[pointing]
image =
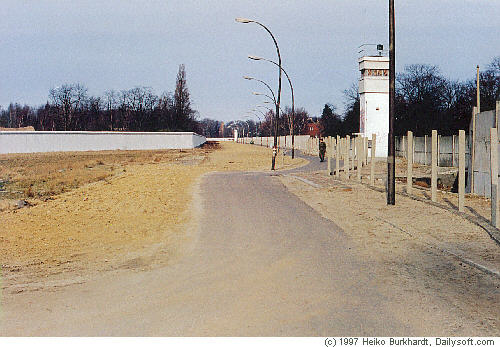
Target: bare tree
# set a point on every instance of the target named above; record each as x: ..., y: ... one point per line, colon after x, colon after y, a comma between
x: 111, y: 98
x: 184, y: 114
x: 68, y: 98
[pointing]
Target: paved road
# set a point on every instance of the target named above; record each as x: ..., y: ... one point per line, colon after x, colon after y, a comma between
x: 262, y: 263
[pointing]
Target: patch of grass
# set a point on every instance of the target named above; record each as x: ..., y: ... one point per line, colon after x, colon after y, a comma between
x: 41, y: 175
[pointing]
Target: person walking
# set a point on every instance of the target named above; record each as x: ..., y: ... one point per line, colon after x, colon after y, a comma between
x: 322, y: 149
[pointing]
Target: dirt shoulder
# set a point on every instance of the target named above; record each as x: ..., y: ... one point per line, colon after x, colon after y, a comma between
x: 422, y: 249
x: 113, y: 210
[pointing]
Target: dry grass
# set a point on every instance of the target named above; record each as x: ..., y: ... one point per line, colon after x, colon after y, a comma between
x: 41, y: 175
x: 109, y: 209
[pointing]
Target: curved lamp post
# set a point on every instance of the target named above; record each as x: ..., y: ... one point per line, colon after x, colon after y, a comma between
x: 269, y: 102
x: 259, y: 123
x: 264, y: 83
x: 275, y: 149
x: 269, y: 109
x: 253, y: 57
x: 264, y: 113
x: 267, y: 96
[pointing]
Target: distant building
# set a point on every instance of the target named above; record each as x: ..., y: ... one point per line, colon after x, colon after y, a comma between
x: 374, y: 100
x: 312, y: 128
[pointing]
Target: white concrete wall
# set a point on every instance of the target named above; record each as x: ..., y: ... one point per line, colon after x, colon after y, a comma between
x: 223, y: 139
x: 55, y: 141
x: 284, y: 141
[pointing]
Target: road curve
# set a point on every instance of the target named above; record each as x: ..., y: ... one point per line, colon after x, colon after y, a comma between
x: 262, y: 263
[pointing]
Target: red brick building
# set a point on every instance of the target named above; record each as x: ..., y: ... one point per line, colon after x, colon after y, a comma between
x: 312, y: 128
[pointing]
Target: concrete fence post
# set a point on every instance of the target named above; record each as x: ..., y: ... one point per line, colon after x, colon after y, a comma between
x: 426, y: 162
x: 343, y: 149
x: 337, y: 155
x: 341, y: 145
x: 434, y: 166
x: 453, y: 150
x: 409, y: 171
x: 473, y: 150
x: 438, y: 149
x: 332, y: 153
x: 495, y: 217
x: 461, y: 170
x: 329, y: 153
x: 413, y: 150
x: 366, y: 151
x: 347, y: 155
x: 497, y: 113
x: 352, y: 153
x: 372, y: 162
x: 360, y: 145
x: 403, y: 147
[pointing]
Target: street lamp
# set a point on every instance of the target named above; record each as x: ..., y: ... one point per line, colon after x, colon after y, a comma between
x: 269, y: 102
x: 267, y: 96
x: 253, y: 57
x: 264, y: 83
x: 264, y: 114
x: 275, y: 149
x: 258, y: 129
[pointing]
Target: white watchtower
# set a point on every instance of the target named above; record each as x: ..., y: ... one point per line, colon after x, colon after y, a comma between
x: 374, y: 100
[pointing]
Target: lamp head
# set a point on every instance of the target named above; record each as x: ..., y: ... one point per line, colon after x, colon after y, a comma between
x: 255, y: 93
x: 243, y: 20
x: 254, y: 57
x: 248, y: 77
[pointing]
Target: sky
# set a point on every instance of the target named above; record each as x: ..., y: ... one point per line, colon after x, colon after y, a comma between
x: 120, y: 44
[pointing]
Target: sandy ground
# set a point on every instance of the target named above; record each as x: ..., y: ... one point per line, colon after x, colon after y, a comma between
x: 424, y: 250
x: 412, y: 262
x: 134, y: 216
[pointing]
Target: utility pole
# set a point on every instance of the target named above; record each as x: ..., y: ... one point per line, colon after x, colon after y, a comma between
x: 391, y: 160
x: 478, y: 91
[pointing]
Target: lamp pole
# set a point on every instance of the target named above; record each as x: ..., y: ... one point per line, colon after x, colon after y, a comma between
x: 391, y: 160
x: 264, y: 83
x: 253, y: 57
x: 258, y: 130
x: 268, y: 102
x: 267, y: 96
x: 264, y: 114
x: 275, y: 148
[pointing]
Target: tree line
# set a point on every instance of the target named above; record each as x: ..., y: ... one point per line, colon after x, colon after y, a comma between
x: 70, y: 108
x: 425, y: 100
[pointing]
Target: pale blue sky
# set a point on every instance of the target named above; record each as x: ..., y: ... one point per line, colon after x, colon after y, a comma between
x: 119, y: 44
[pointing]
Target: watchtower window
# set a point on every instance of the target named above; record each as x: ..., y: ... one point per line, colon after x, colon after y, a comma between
x: 375, y: 72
